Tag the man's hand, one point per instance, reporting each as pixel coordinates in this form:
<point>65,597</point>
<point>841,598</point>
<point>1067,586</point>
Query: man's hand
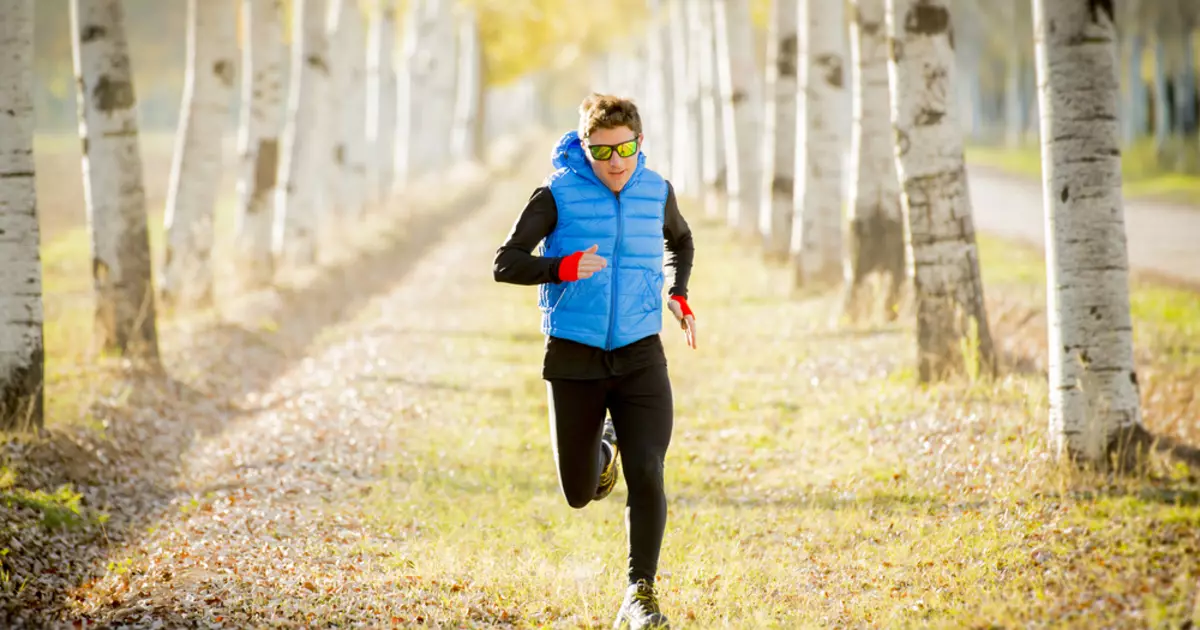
<point>686,321</point>
<point>581,265</point>
<point>590,263</point>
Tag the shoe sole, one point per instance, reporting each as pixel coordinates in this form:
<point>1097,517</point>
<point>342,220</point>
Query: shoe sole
<point>615,467</point>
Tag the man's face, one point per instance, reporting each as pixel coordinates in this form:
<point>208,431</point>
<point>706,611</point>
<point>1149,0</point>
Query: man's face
<point>616,170</point>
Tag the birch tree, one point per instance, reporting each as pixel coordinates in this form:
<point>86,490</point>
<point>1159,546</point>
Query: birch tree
<point>875,234</point>
<point>467,140</point>
<point>346,104</point>
<point>299,195</point>
<point>263,56</point>
<point>823,133</point>
<point>381,102</point>
<point>779,130</point>
<point>656,115</point>
<point>428,114</point>
<point>112,180</point>
<point>1094,399</point>
<point>712,163</point>
<point>740,101</point>
<point>952,326</point>
<point>186,276</point>
<point>685,119</point>
<point>22,366</point>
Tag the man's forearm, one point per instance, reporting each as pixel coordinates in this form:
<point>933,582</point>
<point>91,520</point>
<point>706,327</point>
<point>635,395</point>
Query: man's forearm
<point>515,266</point>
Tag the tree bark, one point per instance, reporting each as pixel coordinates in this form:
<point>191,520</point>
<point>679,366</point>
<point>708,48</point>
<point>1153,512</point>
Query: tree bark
<point>712,163</point>
<point>952,327</point>
<point>263,56</point>
<point>346,103</point>
<point>381,102</point>
<point>431,56</point>
<point>112,180</point>
<point>656,114</point>
<point>22,350</point>
<point>823,126</point>
<point>466,139</point>
<point>876,242</point>
<point>740,101</point>
<point>685,135</point>
<point>301,190</point>
<point>1093,385</point>
<point>187,277</point>
<point>779,130</point>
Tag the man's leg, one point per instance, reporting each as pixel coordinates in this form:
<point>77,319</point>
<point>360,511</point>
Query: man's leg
<point>576,421</point>
<point>643,414</point>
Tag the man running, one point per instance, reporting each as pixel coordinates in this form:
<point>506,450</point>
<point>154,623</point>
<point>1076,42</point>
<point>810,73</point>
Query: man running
<point>602,219</point>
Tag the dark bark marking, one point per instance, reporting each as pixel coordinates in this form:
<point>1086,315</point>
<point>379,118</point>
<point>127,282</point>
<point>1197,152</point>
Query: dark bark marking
<point>112,95</point>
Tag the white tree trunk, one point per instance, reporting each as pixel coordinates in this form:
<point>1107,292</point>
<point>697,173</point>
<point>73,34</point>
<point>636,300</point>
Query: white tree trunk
<point>22,365</point>
<point>701,42</point>
<point>407,84</point>
<point>779,131</point>
<point>112,180</point>
<point>741,99</point>
<point>823,127</point>
<point>186,276</point>
<point>430,55</point>
<point>685,120</point>
<point>466,138</point>
<point>1093,386</point>
<point>346,102</point>
<point>381,102</point>
<point>656,113</point>
<point>933,184</point>
<point>876,241</point>
<point>258,141</point>
<point>300,192</point>
<point>437,115</point>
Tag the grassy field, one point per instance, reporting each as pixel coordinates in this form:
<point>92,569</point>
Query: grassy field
<point>1143,177</point>
<point>810,482</point>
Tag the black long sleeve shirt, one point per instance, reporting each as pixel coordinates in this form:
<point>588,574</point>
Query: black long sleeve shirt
<point>566,359</point>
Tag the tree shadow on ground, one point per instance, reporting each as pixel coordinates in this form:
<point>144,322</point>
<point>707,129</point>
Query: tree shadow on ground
<point>127,473</point>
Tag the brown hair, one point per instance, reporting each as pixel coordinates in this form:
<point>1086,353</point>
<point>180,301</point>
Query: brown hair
<point>605,111</point>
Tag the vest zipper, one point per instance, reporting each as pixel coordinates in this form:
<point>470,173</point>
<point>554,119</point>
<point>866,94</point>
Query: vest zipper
<point>612,313</point>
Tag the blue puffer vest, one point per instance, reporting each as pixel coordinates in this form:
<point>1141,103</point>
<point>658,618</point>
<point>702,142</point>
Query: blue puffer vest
<point>623,302</point>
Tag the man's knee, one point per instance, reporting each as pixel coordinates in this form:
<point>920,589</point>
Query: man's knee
<point>644,476</point>
<point>577,495</point>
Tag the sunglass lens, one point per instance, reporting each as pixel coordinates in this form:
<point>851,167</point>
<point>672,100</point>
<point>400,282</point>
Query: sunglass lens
<point>601,153</point>
<point>626,149</point>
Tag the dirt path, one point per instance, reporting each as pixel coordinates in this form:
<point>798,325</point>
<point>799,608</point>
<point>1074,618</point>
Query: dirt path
<point>1162,238</point>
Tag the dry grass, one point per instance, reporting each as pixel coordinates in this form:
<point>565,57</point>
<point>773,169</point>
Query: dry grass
<point>369,447</point>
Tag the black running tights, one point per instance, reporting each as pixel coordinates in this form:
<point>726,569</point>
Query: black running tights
<point>641,408</point>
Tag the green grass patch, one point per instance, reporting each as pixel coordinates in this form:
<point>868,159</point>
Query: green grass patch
<point>60,508</point>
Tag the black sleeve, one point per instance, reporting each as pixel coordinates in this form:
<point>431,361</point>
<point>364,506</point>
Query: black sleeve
<point>515,262</point>
<point>680,248</point>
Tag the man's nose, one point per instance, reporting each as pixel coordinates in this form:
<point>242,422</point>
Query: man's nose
<point>614,159</point>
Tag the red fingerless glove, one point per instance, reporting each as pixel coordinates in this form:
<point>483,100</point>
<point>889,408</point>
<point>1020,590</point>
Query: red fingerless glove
<point>568,269</point>
<point>683,306</point>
